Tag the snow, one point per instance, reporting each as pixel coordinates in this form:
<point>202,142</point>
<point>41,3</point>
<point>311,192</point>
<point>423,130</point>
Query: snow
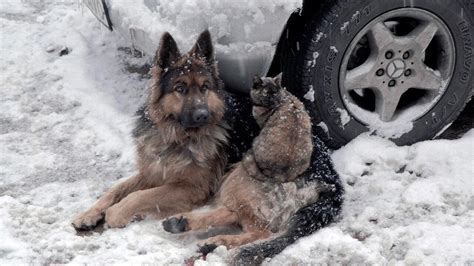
<point>318,37</point>
<point>443,82</point>
<point>354,19</point>
<point>312,63</point>
<point>310,94</point>
<point>184,19</point>
<point>394,129</point>
<point>324,127</point>
<point>344,26</point>
<point>411,204</point>
<point>355,16</point>
<point>65,124</point>
<point>344,117</point>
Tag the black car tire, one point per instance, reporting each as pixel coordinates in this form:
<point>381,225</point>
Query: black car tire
<point>322,34</point>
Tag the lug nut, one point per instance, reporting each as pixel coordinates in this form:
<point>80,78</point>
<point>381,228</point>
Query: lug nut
<point>392,83</point>
<point>380,72</point>
<point>407,72</point>
<point>389,54</point>
<point>406,55</point>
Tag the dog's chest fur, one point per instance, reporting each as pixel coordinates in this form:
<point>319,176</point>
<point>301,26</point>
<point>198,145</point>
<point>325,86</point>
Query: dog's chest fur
<point>164,153</point>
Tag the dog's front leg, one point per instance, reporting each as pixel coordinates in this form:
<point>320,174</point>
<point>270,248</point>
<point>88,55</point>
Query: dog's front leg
<point>162,201</point>
<point>220,216</point>
<point>93,215</point>
<point>233,241</point>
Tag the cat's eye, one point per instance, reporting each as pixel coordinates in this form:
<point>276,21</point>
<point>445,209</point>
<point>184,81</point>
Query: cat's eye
<point>205,87</point>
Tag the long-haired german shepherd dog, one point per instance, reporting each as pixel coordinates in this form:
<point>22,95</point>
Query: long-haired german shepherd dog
<point>180,137</point>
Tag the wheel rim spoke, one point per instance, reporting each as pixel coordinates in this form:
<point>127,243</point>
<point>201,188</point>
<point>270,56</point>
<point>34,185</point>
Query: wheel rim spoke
<point>424,34</point>
<point>380,36</point>
<point>428,79</point>
<point>386,104</point>
<point>360,77</point>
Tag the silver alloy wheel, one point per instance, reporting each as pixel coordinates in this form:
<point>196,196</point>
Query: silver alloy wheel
<point>407,61</point>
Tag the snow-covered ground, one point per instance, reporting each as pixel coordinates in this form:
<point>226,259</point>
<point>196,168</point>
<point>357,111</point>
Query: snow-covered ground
<point>65,125</point>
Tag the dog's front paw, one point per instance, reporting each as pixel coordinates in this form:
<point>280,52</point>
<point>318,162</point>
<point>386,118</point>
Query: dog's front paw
<point>88,220</point>
<point>117,217</point>
<point>206,249</point>
<point>229,241</point>
<point>175,225</point>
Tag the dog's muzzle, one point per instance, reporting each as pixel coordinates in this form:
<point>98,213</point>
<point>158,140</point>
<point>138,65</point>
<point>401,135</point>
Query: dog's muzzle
<point>196,119</point>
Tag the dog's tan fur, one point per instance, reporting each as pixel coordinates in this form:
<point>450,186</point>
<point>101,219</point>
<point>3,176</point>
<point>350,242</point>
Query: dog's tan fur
<point>259,193</point>
<point>178,168</point>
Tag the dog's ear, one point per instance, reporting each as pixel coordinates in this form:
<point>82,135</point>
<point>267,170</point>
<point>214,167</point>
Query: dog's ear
<point>168,51</point>
<point>203,47</point>
<point>277,79</point>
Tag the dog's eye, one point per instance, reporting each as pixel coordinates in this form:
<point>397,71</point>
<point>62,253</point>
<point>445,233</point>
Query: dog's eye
<point>180,88</point>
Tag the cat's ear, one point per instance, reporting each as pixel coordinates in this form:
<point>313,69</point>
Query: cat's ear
<point>277,79</point>
<point>257,81</point>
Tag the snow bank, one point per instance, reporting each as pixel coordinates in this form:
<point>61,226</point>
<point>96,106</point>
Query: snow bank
<point>410,205</point>
<point>65,125</point>
<point>233,24</point>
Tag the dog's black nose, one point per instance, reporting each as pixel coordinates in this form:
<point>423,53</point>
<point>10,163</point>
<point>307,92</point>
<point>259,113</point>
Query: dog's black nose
<point>201,116</point>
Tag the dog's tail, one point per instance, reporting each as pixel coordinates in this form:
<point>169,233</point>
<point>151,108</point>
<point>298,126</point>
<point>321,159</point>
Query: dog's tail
<point>306,220</point>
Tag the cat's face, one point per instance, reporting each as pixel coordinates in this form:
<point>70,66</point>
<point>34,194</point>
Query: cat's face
<point>266,92</point>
